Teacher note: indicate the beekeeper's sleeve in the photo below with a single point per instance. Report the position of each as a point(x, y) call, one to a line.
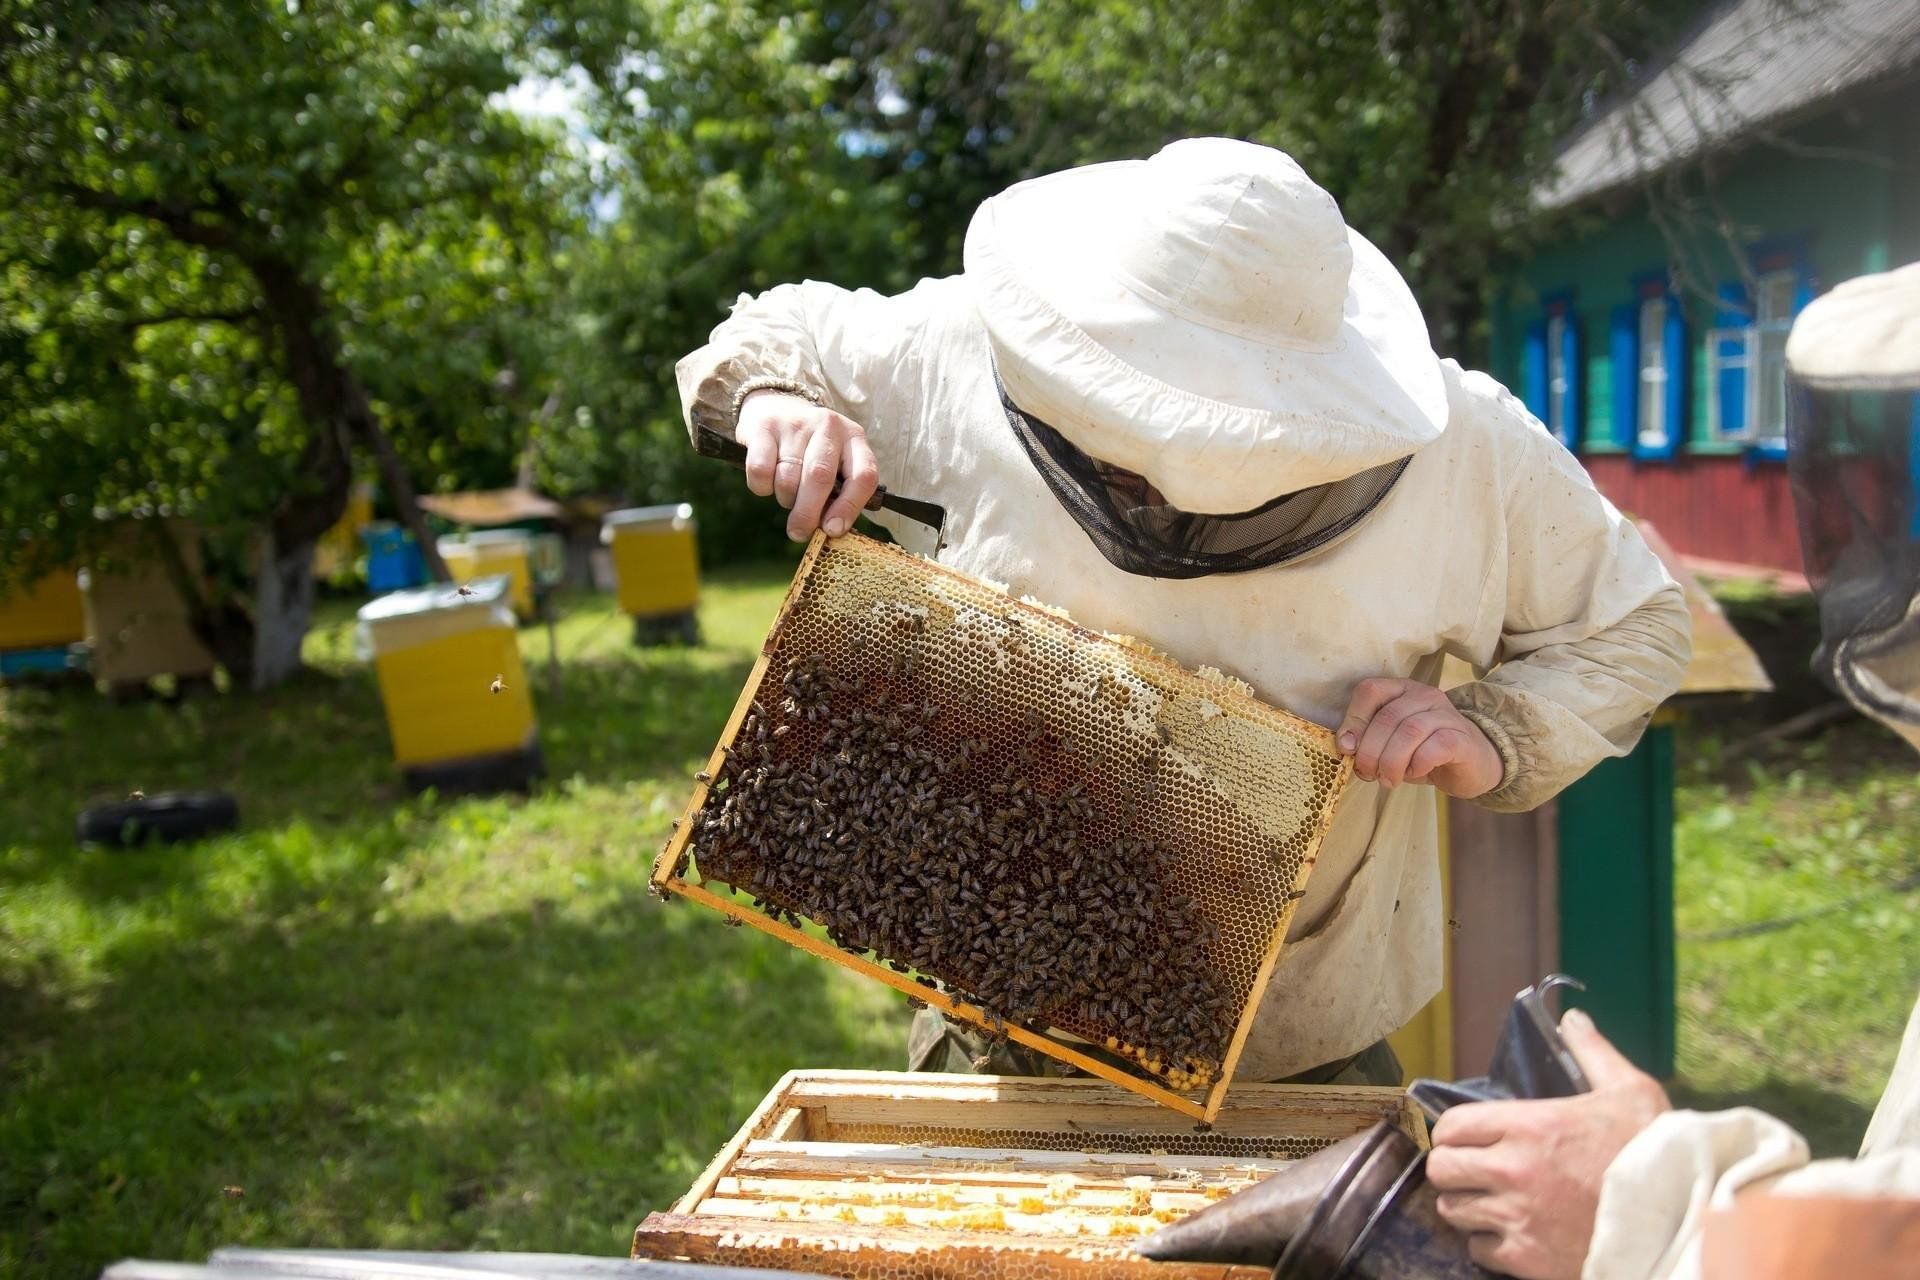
point(847, 349)
point(1658, 1192)
point(1593, 633)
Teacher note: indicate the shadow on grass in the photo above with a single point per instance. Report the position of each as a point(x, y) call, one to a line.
point(1832, 1123)
point(537, 1079)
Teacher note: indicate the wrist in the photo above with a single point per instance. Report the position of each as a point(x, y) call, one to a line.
point(760, 388)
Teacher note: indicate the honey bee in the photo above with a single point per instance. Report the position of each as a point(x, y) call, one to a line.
point(136, 795)
point(234, 1193)
point(499, 684)
point(465, 590)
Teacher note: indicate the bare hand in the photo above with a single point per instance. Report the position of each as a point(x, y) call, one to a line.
point(1523, 1178)
point(1404, 731)
point(796, 450)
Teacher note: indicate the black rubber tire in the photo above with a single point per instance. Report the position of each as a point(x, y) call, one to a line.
point(170, 818)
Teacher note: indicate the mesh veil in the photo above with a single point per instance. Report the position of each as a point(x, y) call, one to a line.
point(1141, 535)
point(1852, 455)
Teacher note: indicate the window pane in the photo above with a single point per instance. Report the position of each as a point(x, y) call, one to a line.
point(1653, 372)
point(1773, 318)
point(1775, 298)
point(1772, 407)
point(1557, 375)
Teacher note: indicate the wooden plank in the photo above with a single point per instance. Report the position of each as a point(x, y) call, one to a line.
point(938, 999)
point(928, 1161)
point(1104, 1173)
point(982, 1218)
point(906, 1253)
point(1217, 1095)
point(717, 1167)
point(813, 1082)
point(1007, 1102)
point(1038, 1117)
point(1059, 1194)
point(790, 1126)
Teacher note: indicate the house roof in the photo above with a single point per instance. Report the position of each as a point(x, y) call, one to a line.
point(1722, 662)
point(1750, 64)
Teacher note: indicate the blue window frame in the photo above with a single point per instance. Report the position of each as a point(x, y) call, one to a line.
point(1747, 349)
point(1648, 345)
point(1550, 369)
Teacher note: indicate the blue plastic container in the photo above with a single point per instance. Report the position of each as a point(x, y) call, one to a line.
point(23, 662)
point(394, 562)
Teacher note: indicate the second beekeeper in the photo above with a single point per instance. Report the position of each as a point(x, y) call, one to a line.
point(1182, 400)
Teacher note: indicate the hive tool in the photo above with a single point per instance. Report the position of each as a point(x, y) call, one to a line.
point(709, 443)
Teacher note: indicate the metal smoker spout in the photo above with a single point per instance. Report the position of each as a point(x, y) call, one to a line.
point(1252, 1227)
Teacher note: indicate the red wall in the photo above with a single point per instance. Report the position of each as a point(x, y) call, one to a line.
point(1717, 508)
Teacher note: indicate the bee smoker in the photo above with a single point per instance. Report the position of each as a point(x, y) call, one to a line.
point(1362, 1209)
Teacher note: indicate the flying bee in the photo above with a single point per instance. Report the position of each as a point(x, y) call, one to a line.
point(136, 795)
point(465, 590)
point(499, 684)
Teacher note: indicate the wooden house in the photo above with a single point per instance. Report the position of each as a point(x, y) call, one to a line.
point(1770, 156)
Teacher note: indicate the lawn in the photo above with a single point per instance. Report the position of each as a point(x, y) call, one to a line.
point(1796, 887)
point(386, 1021)
point(402, 1022)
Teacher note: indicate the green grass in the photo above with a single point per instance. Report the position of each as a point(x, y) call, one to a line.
point(390, 1021)
point(1818, 844)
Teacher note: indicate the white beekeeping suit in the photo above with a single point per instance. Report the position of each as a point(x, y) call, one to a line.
point(1206, 322)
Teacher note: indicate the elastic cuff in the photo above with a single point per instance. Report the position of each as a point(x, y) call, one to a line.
point(1501, 797)
point(783, 385)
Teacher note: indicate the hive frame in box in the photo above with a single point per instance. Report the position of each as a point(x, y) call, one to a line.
point(665, 880)
point(826, 1153)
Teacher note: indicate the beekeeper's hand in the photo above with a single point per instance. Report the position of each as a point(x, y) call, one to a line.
point(1523, 1178)
point(1404, 731)
point(796, 450)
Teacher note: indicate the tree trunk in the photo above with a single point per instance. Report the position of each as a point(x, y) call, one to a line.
point(282, 610)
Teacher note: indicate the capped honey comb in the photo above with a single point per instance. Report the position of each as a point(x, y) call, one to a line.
point(1060, 836)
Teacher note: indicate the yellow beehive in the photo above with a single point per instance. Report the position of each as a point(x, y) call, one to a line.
point(496, 552)
point(137, 623)
point(437, 655)
point(47, 613)
point(655, 565)
point(338, 546)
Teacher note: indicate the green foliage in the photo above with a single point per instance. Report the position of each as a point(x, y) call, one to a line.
point(242, 235)
point(1429, 122)
point(391, 1022)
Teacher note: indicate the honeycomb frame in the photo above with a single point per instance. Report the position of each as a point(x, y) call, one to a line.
point(875, 1175)
point(1243, 793)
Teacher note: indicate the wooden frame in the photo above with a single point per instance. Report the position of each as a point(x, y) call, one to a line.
point(845, 1172)
point(664, 880)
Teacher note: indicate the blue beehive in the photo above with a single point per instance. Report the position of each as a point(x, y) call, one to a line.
point(394, 562)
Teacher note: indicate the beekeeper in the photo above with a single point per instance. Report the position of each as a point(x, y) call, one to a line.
point(1183, 400)
point(1613, 1184)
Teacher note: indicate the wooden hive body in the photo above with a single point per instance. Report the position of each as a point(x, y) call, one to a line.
point(891, 1176)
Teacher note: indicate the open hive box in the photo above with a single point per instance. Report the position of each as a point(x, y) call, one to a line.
point(877, 1175)
point(1057, 835)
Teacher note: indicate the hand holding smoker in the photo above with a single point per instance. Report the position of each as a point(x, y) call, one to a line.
point(1362, 1209)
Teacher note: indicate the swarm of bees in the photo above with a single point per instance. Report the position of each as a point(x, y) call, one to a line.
point(972, 862)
